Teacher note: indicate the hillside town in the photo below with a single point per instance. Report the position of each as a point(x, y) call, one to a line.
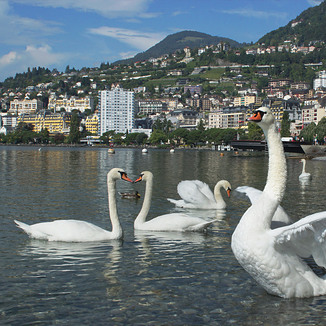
point(183, 102)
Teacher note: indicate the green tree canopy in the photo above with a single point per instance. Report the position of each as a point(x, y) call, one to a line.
point(321, 130)
point(74, 134)
point(180, 135)
point(158, 137)
point(308, 133)
point(285, 125)
point(254, 131)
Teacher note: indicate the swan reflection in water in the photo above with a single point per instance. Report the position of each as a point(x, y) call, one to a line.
point(65, 256)
point(170, 240)
point(216, 214)
point(304, 183)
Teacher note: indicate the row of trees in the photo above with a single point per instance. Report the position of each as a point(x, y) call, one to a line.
point(313, 132)
point(163, 134)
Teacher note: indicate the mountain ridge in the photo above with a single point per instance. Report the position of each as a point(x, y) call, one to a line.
point(309, 26)
point(178, 41)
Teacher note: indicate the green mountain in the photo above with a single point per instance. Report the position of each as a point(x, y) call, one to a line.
point(309, 26)
point(179, 41)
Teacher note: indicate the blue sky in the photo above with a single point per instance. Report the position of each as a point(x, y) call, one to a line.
point(85, 33)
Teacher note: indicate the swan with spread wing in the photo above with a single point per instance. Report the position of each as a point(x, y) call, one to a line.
point(196, 194)
point(274, 257)
point(81, 231)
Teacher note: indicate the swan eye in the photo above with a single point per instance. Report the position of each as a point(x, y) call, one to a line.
point(140, 178)
point(123, 176)
point(262, 113)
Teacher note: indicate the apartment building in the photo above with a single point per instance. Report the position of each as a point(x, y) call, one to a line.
point(116, 110)
point(312, 113)
point(91, 124)
point(151, 106)
point(56, 104)
point(234, 118)
point(186, 118)
point(172, 103)
point(320, 81)
point(8, 123)
point(28, 106)
point(197, 89)
point(246, 100)
point(280, 82)
point(57, 123)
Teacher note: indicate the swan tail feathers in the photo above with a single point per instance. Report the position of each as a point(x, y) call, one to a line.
point(30, 231)
point(22, 225)
point(201, 226)
point(177, 202)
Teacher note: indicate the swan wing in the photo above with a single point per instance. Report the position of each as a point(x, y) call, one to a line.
point(175, 222)
point(305, 175)
point(205, 190)
point(253, 194)
point(65, 230)
point(304, 238)
point(196, 192)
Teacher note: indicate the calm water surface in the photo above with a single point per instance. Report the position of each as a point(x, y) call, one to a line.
point(148, 278)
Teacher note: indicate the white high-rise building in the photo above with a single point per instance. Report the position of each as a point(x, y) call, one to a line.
point(320, 81)
point(116, 110)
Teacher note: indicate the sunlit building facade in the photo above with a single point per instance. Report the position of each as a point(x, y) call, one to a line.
point(116, 110)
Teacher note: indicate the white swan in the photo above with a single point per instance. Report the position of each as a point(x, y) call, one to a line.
point(274, 257)
point(253, 194)
point(304, 175)
point(196, 194)
point(167, 222)
point(81, 231)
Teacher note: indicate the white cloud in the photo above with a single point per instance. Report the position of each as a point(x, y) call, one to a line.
point(137, 39)
point(315, 2)
point(177, 13)
point(107, 8)
point(127, 55)
point(31, 56)
point(12, 26)
point(255, 13)
point(8, 59)
point(42, 56)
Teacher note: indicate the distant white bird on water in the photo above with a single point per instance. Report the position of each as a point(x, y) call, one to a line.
point(304, 175)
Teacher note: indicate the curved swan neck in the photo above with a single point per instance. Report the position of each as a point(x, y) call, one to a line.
point(217, 191)
point(303, 165)
point(116, 226)
point(141, 217)
point(276, 177)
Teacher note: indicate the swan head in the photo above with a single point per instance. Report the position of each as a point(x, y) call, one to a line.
point(144, 176)
point(226, 186)
point(117, 173)
point(263, 117)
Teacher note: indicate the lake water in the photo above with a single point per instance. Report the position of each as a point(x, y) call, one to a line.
point(148, 278)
